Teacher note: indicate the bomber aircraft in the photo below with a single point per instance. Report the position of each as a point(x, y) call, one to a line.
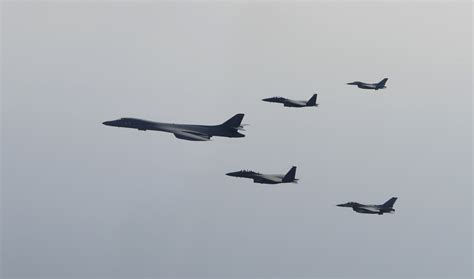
point(228, 129)
point(293, 103)
point(375, 86)
point(387, 207)
point(267, 178)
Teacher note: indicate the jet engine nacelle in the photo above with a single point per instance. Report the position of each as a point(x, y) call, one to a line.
point(258, 180)
point(189, 136)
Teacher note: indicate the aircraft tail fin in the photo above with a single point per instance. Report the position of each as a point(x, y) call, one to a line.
point(381, 84)
point(234, 121)
point(312, 100)
point(290, 176)
point(390, 202)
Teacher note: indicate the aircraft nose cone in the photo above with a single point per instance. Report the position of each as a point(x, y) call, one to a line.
point(341, 205)
point(231, 174)
point(106, 123)
point(266, 99)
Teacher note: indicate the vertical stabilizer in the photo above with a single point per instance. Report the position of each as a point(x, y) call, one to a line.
point(312, 101)
point(290, 176)
point(390, 203)
point(381, 84)
point(234, 121)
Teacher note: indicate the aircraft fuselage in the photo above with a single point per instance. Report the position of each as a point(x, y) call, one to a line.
point(182, 131)
point(371, 208)
point(373, 86)
point(267, 178)
point(293, 103)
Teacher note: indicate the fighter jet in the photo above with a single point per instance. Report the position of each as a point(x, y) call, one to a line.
point(267, 178)
point(376, 86)
point(228, 129)
point(293, 103)
point(387, 207)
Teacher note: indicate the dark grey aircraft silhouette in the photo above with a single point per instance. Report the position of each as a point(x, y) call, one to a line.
point(228, 129)
point(267, 178)
point(387, 207)
point(376, 86)
point(293, 103)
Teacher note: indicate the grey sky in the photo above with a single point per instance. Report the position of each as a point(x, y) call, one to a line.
point(83, 200)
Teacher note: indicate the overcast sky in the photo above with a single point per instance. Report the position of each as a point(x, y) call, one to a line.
point(83, 200)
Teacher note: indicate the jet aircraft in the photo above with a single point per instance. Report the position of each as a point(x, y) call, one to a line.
point(293, 103)
point(228, 129)
point(387, 207)
point(267, 178)
point(375, 86)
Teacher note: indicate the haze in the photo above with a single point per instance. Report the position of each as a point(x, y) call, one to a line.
point(83, 200)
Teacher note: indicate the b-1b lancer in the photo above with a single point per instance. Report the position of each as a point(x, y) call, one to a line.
point(293, 103)
point(267, 178)
point(375, 86)
point(228, 129)
point(387, 207)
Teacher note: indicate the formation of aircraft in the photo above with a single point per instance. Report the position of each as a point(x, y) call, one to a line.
point(380, 209)
point(289, 177)
point(293, 103)
point(374, 86)
point(231, 128)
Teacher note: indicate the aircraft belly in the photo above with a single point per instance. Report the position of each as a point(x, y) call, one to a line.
point(266, 180)
point(366, 87)
point(365, 210)
point(294, 104)
point(191, 136)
